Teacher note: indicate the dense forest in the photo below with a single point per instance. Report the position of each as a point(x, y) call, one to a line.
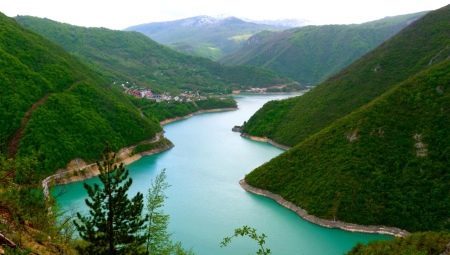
point(386, 163)
point(168, 110)
point(426, 243)
point(131, 56)
point(370, 145)
point(55, 107)
point(418, 46)
point(311, 54)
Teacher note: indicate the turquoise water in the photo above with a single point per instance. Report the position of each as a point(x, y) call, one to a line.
point(205, 200)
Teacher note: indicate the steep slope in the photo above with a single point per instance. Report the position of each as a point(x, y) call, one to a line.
point(426, 243)
point(425, 42)
point(57, 109)
point(385, 164)
point(131, 56)
point(311, 54)
point(202, 35)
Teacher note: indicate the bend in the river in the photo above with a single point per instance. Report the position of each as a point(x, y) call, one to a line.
point(205, 200)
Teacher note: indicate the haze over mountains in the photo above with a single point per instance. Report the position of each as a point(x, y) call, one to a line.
point(204, 35)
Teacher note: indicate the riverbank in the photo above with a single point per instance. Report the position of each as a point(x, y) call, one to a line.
point(167, 121)
point(265, 140)
point(79, 170)
point(323, 222)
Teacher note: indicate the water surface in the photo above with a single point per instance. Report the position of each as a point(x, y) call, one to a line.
point(205, 200)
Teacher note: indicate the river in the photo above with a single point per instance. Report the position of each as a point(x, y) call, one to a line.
point(205, 201)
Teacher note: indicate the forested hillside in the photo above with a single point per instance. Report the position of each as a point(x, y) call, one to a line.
point(311, 54)
point(426, 243)
point(422, 44)
point(54, 108)
point(130, 56)
point(385, 164)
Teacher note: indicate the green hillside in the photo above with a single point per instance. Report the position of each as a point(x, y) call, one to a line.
point(130, 56)
point(425, 42)
point(311, 54)
point(385, 164)
point(427, 243)
point(168, 110)
point(55, 108)
point(202, 35)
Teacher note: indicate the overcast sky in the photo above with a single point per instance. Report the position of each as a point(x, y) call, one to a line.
point(119, 14)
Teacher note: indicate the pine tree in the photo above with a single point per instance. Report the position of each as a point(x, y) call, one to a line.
point(115, 224)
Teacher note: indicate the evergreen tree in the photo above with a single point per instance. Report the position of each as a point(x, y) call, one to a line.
point(115, 224)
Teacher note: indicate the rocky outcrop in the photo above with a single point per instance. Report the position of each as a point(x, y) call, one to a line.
point(324, 222)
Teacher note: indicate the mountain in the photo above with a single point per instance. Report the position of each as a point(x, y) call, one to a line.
point(311, 54)
point(375, 147)
point(57, 109)
point(289, 122)
point(203, 35)
point(387, 163)
point(286, 23)
point(131, 56)
point(429, 243)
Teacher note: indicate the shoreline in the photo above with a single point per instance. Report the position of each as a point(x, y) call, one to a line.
point(170, 120)
point(78, 170)
point(372, 229)
point(266, 140)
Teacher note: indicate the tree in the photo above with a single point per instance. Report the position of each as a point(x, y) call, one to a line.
point(115, 224)
point(252, 234)
point(158, 237)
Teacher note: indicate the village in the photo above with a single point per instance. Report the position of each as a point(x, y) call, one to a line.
point(145, 93)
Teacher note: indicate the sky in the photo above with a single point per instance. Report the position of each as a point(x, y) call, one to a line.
point(119, 14)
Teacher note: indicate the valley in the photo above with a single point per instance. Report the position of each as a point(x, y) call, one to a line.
point(296, 135)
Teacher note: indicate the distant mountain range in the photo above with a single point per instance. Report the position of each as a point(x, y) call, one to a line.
point(311, 54)
point(206, 36)
point(131, 56)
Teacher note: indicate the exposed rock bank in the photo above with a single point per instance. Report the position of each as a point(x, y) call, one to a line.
point(265, 140)
point(323, 222)
point(78, 169)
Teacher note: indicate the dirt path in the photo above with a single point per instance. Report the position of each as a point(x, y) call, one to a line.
point(13, 145)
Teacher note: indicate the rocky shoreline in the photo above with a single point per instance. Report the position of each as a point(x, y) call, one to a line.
point(323, 222)
point(167, 121)
point(265, 140)
point(79, 170)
